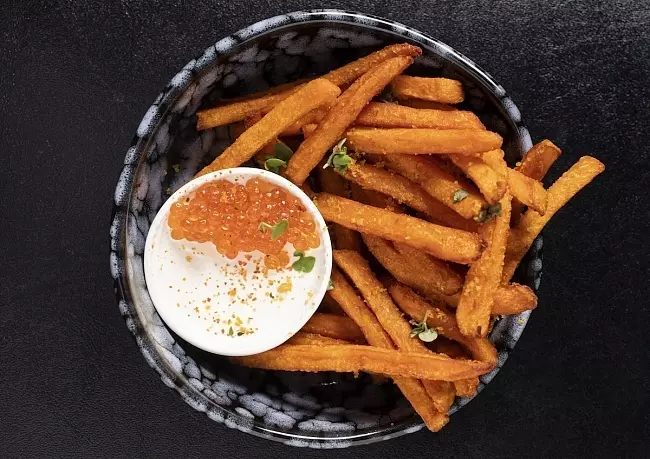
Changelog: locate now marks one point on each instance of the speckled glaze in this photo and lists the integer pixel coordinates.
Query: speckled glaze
(324, 410)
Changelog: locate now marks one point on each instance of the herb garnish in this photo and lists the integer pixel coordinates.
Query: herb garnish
(422, 330)
(276, 230)
(339, 159)
(303, 264)
(281, 155)
(459, 195)
(330, 285)
(176, 167)
(485, 215)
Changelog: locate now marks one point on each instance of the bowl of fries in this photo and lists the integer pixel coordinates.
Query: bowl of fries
(427, 177)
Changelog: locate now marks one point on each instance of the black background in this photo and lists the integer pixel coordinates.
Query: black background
(76, 78)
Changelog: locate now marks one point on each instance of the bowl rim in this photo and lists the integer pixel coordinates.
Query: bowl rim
(140, 144)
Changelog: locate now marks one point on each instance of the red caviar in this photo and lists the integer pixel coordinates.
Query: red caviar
(230, 216)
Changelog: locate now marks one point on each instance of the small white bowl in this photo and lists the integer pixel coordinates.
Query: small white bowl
(196, 290)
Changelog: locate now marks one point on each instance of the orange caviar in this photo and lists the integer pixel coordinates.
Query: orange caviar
(238, 218)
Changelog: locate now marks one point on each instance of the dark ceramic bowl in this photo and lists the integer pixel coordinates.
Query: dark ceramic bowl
(316, 410)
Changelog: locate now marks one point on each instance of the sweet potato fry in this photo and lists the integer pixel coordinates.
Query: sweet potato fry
(525, 189)
(343, 113)
(484, 276)
(389, 317)
(358, 311)
(442, 90)
(508, 299)
(491, 184)
(426, 104)
(535, 164)
(309, 96)
(351, 358)
(333, 326)
(425, 271)
(314, 339)
(444, 243)
(330, 306)
(438, 183)
(313, 117)
(332, 182)
(531, 223)
(464, 387)
(350, 72)
(308, 129)
(402, 141)
(386, 115)
(443, 321)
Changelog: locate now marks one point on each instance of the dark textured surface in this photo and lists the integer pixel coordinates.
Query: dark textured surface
(75, 79)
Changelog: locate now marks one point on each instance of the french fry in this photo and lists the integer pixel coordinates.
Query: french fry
(308, 129)
(330, 306)
(492, 185)
(444, 243)
(466, 387)
(341, 115)
(237, 111)
(443, 321)
(354, 307)
(352, 358)
(525, 189)
(332, 182)
(535, 164)
(400, 141)
(333, 326)
(350, 72)
(531, 223)
(314, 339)
(390, 318)
(313, 117)
(442, 90)
(426, 104)
(438, 183)
(508, 299)
(387, 115)
(425, 270)
(313, 94)
(484, 276)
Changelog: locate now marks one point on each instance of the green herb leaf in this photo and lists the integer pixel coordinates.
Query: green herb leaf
(231, 331)
(303, 264)
(330, 285)
(274, 164)
(459, 195)
(485, 215)
(176, 167)
(279, 229)
(339, 159)
(422, 330)
(282, 151)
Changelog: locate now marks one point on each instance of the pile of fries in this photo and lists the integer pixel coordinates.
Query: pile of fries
(428, 221)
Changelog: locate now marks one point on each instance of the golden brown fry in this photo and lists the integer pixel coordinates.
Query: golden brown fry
(358, 311)
(425, 270)
(508, 299)
(314, 339)
(343, 113)
(531, 223)
(352, 358)
(437, 182)
(387, 115)
(444, 243)
(400, 141)
(331, 306)
(525, 189)
(426, 104)
(443, 321)
(313, 117)
(535, 164)
(331, 182)
(466, 387)
(333, 326)
(309, 96)
(406, 192)
(442, 90)
(491, 184)
(350, 72)
(484, 276)
(308, 129)
(390, 317)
